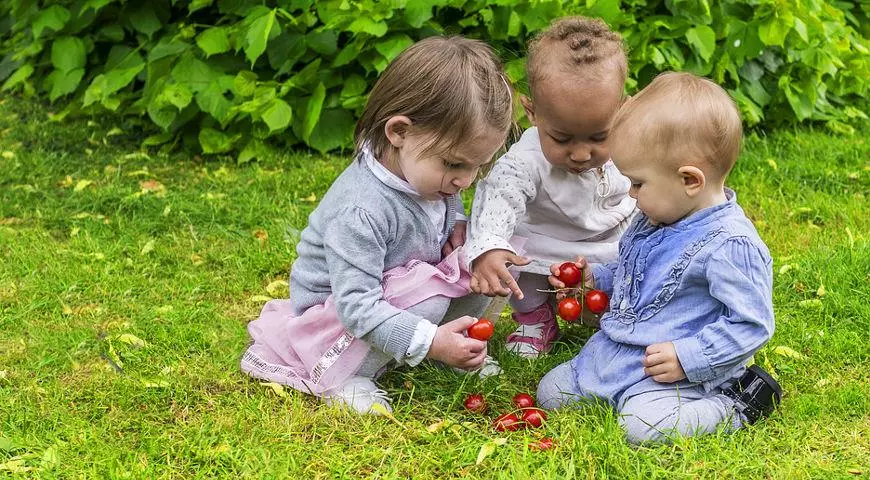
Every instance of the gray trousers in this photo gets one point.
(530, 283)
(437, 310)
(652, 416)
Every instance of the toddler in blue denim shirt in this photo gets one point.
(690, 294)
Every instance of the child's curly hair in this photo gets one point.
(589, 43)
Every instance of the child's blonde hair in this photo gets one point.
(590, 45)
(447, 86)
(682, 119)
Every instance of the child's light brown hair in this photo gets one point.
(575, 45)
(682, 119)
(448, 86)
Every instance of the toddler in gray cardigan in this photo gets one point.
(440, 112)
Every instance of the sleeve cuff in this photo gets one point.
(693, 361)
(479, 246)
(394, 336)
(461, 217)
(603, 278)
(420, 343)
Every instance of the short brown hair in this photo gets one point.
(682, 118)
(584, 43)
(447, 86)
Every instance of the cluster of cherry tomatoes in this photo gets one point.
(570, 307)
(525, 415)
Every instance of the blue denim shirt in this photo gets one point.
(704, 283)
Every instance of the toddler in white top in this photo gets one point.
(556, 187)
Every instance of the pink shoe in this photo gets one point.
(536, 333)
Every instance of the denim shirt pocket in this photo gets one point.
(672, 280)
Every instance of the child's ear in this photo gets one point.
(529, 107)
(396, 129)
(693, 178)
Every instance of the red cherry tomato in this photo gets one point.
(482, 330)
(534, 417)
(524, 400)
(541, 445)
(596, 301)
(507, 422)
(569, 274)
(569, 309)
(475, 403)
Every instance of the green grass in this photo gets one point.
(177, 267)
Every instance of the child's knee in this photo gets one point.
(557, 388)
(639, 428)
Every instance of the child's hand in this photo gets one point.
(582, 264)
(456, 238)
(662, 364)
(490, 276)
(452, 347)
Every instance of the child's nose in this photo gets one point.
(581, 153)
(463, 181)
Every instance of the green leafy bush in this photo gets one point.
(225, 75)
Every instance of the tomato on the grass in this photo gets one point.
(507, 422)
(524, 400)
(534, 417)
(476, 403)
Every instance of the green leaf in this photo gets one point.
(703, 39)
(774, 30)
(254, 149)
(312, 111)
(144, 20)
(324, 43)
(113, 33)
(488, 449)
(23, 73)
(391, 47)
(801, 28)
(157, 139)
(168, 46)
(259, 33)
(96, 5)
(177, 94)
(285, 50)
(334, 130)
(215, 141)
(365, 24)
(213, 41)
(64, 82)
(354, 86)
(277, 115)
(68, 53)
(53, 17)
(212, 101)
(245, 83)
(120, 78)
(161, 115)
(194, 73)
(198, 5)
(348, 53)
(788, 352)
(418, 11)
(799, 102)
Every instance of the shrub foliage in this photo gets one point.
(225, 75)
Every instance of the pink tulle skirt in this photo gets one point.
(313, 352)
